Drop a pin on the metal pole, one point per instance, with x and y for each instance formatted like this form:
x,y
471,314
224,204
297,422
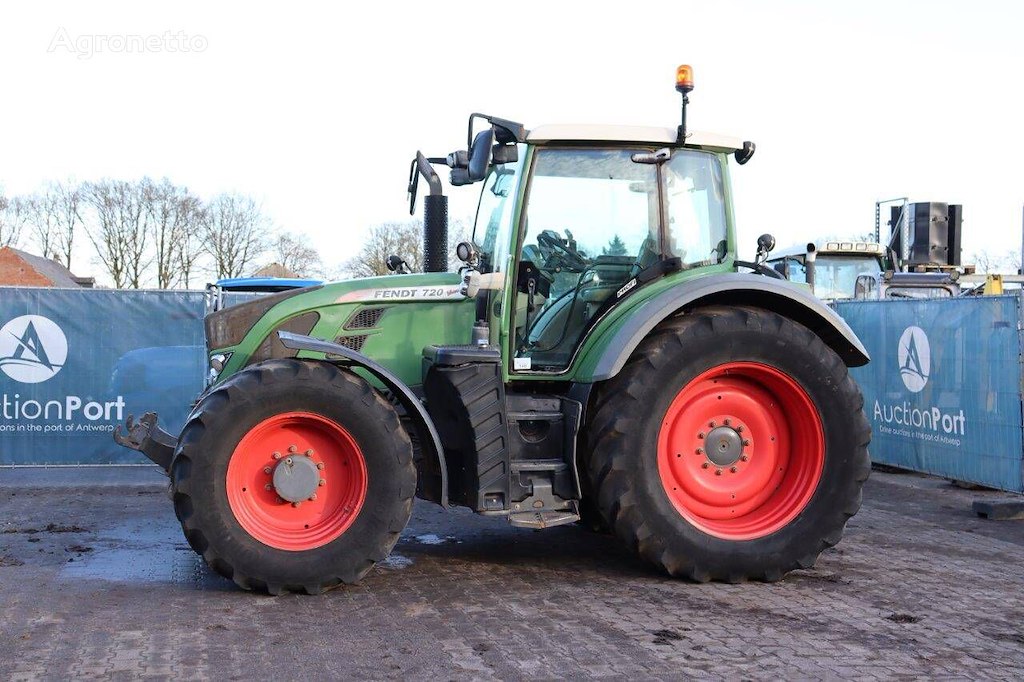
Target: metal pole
x,y
1020,270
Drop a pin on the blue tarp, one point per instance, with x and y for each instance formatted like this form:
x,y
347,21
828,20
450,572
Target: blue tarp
x,y
943,389
75,362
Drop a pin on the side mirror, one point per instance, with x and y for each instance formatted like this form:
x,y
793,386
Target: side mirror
x,y
396,264
765,243
470,167
480,155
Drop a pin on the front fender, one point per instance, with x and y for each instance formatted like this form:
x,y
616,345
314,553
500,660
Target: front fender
x,y
782,297
429,440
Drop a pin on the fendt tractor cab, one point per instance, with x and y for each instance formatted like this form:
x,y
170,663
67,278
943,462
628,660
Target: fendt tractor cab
x,y
831,268
597,355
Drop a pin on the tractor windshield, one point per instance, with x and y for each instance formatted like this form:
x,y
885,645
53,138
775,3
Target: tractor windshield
x,y
836,275
492,229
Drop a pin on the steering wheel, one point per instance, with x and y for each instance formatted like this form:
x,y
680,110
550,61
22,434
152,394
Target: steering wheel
x,y
551,245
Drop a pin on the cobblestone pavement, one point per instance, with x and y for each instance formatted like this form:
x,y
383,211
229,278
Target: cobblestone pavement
x,y
95,579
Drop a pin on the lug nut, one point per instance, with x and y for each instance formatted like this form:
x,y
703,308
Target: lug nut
x,y
296,504
312,498
718,472
293,449
268,487
739,429
712,424
733,469
266,470
705,465
321,482
728,422
700,435
320,466
309,453
744,458
746,442
276,455
700,451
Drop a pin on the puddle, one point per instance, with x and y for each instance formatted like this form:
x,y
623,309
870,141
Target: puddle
x,y
143,553
431,539
396,561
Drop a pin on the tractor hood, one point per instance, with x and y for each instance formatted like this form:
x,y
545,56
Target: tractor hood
x,y
433,286
390,319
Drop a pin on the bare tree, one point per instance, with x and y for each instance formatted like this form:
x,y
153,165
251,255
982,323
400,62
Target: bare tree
x,y
295,254
1012,260
190,249
401,239
13,216
235,233
41,216
985,262
120,231
53,216
66,203
174,218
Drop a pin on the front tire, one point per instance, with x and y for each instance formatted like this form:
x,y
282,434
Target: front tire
x,y
293,475
732,446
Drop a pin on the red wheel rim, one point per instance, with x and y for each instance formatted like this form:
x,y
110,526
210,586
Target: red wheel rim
x,y
258,507
741,451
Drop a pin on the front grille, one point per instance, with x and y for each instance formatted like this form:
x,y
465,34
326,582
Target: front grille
x,y
367,318
353,342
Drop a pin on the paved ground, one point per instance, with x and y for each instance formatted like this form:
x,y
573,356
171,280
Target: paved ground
x,y
95,579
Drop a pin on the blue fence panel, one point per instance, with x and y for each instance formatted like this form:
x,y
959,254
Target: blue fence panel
x,y
75,362
943,389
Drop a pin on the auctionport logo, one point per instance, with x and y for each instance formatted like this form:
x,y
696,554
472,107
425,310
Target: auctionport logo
x,y
32,349
915,358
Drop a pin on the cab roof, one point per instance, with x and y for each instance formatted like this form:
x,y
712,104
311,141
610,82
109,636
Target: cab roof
x,y
623,133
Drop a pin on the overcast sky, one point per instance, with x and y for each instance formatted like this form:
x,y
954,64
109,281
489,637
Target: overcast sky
x,y
317,110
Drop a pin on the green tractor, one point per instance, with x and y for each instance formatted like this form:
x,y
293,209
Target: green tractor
x,y
596,357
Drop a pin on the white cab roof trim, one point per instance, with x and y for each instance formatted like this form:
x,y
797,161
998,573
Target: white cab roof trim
x,y
647,134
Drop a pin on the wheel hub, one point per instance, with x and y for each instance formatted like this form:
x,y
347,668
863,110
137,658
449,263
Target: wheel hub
x,y
296,478
724,446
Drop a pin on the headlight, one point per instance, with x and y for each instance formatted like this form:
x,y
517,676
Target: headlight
x,y
217,363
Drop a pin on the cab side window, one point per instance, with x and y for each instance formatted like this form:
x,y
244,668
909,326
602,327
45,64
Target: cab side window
x,y
592,222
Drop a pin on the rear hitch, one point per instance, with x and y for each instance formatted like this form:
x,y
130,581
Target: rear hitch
x,y
148,438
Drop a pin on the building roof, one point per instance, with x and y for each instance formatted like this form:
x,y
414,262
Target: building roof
x,y
274,270
622,133
59,275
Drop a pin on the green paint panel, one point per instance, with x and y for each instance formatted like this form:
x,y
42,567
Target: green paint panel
x,y
420,310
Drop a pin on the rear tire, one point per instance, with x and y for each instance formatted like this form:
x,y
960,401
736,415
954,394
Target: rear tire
x,y
732,446
315,421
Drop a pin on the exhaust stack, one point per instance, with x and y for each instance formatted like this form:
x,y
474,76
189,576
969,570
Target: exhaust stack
x,y
435,216
435,233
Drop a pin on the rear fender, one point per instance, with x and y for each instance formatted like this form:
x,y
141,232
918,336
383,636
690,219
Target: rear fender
x,y
778,296
432,482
